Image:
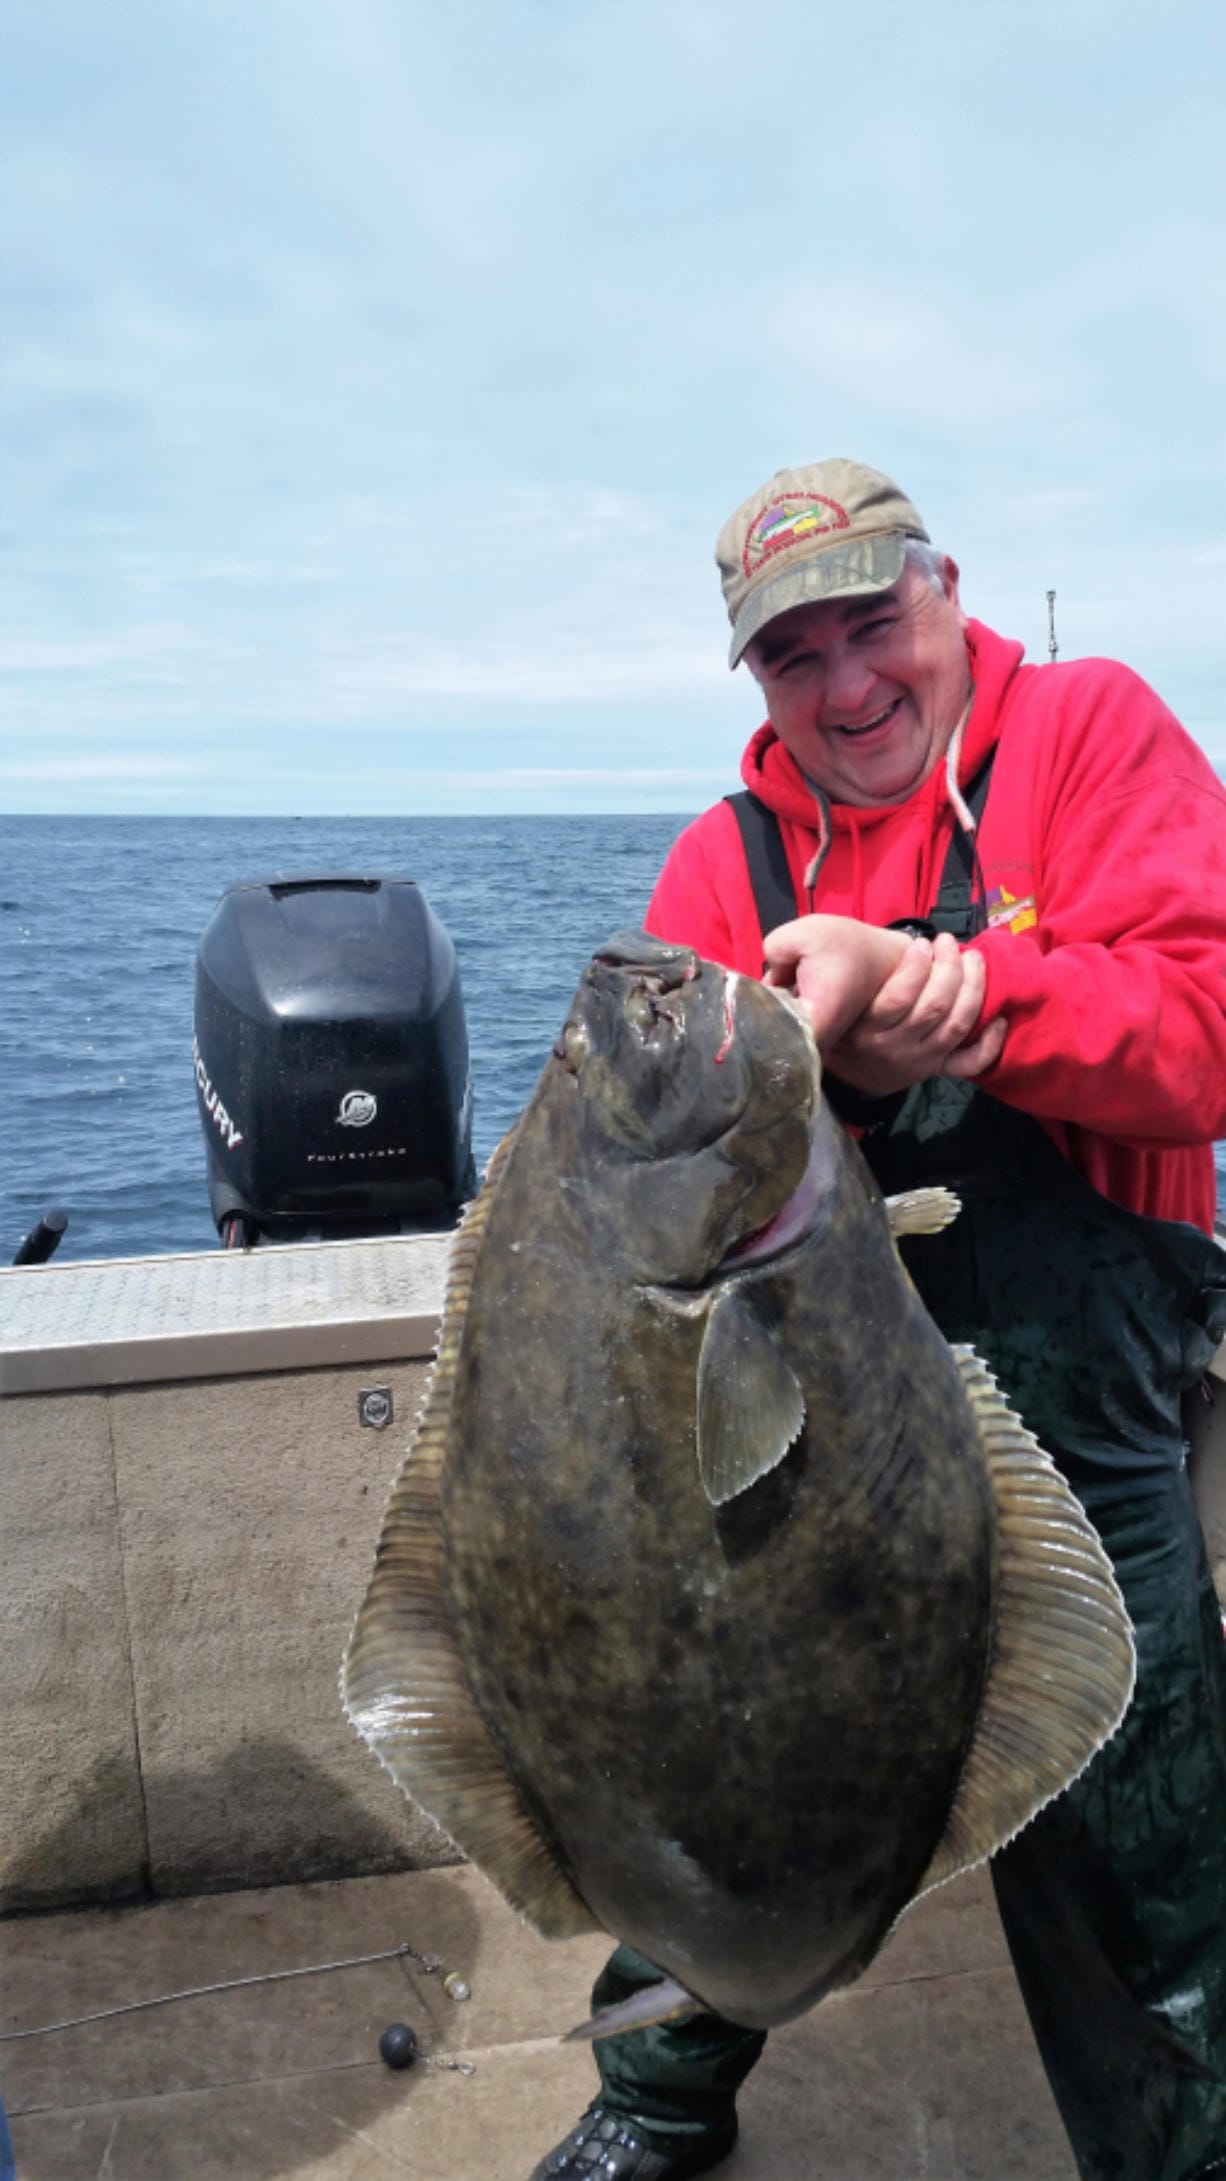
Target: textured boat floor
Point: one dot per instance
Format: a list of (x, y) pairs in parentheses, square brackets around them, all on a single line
[(925, 2071)]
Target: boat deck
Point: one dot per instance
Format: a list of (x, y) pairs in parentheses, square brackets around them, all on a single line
[(172, 1628), (924, 2071)]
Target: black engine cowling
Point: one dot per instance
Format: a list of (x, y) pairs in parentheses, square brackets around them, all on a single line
[(331, 1058)]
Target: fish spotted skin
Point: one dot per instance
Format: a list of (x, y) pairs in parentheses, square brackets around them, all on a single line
[(713, 1537)]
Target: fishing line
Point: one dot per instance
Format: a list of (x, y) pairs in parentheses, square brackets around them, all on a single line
[(453, 1985)]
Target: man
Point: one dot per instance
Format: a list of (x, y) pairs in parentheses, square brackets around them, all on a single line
[(1000, 892)]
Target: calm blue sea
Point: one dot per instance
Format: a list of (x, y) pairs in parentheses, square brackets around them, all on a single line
[(99, 923)]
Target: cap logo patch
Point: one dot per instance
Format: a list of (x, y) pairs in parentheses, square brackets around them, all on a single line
[(792, 520)]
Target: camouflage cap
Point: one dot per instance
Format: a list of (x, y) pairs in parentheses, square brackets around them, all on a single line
[(832, 529)]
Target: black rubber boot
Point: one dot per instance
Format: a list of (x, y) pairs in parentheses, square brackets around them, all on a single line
[(603, 2148)]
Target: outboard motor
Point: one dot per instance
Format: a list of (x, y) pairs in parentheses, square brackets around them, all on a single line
[(331, 1061)]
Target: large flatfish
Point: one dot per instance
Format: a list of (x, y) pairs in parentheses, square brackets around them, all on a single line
[(719, 1602)]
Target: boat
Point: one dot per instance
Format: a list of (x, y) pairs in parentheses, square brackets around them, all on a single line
[(197, 1450)]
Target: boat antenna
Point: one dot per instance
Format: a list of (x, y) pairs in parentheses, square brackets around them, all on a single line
[(1053, 648)]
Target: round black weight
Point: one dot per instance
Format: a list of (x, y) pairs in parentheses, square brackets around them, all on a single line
[(398, 2045)]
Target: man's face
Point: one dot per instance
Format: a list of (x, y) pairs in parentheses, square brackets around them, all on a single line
[(865, 692)]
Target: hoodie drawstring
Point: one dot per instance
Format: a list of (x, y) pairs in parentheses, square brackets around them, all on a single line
[(825, 835), (965, 817), (953, 758), (857, 868)]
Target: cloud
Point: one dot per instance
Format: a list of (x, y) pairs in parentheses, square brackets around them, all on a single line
[(392, 368), (519, 677), (128, 769), (677, 781), (161, 647), (950, 367)]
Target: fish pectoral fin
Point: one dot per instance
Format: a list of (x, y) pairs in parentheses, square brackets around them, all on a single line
[(1062, 1665), (667, 2001), (750, 1406), (922, 1211)]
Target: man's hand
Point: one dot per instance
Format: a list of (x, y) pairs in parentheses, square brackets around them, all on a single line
[(887, 1011), (835, 965), (920, 1023)]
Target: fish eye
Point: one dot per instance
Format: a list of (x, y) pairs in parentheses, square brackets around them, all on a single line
[(644, 1008), (572, 1047), (641, 1011)]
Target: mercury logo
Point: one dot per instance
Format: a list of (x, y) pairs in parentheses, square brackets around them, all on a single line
[(357, 1108), (212, 1104)]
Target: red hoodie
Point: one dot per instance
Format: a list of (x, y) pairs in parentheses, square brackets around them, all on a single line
[(1103, 847)]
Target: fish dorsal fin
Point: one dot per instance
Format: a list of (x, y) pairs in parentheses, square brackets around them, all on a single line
[(750, 1406), (403, 1682), (922, 1211), (1062, 1666)]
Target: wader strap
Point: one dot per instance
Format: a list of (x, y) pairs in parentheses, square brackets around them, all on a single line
[(960, 905), (775, 896), (766, 857)]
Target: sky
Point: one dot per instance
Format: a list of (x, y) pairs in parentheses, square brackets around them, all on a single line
[(375, 376)]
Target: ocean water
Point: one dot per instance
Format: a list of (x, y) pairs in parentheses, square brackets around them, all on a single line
[(99, 924)]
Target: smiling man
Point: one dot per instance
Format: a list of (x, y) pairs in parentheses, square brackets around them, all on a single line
[(1000, 892), (864, 692)]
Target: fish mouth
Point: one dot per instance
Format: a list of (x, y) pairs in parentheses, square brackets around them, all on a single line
[(665, 968)]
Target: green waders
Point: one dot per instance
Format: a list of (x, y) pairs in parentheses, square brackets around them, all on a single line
[(1113, 1899)]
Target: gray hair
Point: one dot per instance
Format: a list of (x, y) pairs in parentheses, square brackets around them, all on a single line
[(925, 557)]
